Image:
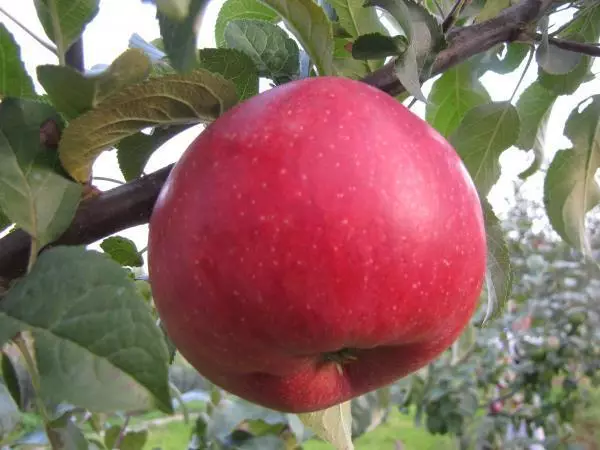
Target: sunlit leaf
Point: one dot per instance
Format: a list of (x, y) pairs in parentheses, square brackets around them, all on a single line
[(334, 425), (485, 132), (180, 36), (499, 276), (570, 187), (122, 250), (452, 95), (15, 81), (238, 10), (96, 343), (33, 193), (491, 9), (198, 96), (271, 50), (310, 25), (73, 93), (534, 107), (65, 20)]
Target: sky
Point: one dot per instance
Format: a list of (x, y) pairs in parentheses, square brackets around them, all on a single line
[(108, 35)]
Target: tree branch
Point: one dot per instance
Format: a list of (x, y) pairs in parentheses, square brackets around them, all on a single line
[(131, 204), (578, 47)]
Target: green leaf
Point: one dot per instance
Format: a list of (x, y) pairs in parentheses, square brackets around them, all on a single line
[(491, 9), (551, 59), (65, 20), (174, 9), (233, 65), (272, 52), (11, 379), (499, 276), (32, 193), (484, 133), (334, 425), (452, 95), (5, 222), (345, 64), (96, 343), (73, 93), (123, 251), (9, 413), (199, 96), (64, 434), (180, 36), (506, 58), (358, 20), (425, 38), (15, 82), (132, 440), (241, 9), (309, 23), (585, 25), (534, 107), (134, 152), (378, 46), (570, 188)]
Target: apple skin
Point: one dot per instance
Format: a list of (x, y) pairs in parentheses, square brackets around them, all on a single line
[(314, 243)]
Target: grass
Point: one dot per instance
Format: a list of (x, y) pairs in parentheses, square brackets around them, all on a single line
[(175, 436)]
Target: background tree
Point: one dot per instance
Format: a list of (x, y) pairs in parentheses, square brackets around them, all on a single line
[(57, 361)]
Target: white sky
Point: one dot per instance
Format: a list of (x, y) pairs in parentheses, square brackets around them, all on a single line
[(108, 36)]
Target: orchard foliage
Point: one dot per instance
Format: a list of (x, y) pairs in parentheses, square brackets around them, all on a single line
[(77, 327)]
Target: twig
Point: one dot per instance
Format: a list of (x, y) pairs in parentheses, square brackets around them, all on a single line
[(454, 14), (122, 432), (39, 40), (579, 47)]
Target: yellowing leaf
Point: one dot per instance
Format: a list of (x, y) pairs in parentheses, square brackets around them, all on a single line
[(200, 96), (333, 424)]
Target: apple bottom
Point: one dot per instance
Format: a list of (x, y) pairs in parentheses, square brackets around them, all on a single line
[(323, 383)]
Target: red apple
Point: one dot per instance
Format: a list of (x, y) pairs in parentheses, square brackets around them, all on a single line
[(314, 243)]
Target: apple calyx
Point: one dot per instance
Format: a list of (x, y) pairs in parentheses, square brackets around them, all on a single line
[(340, 357)]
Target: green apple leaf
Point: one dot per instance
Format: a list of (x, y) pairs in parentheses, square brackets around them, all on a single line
[(132, 440), (174, 9), (9, 412), (238, 10), (64, 433), (235, 65), (65, 20), (273, 53), (425, 39), (310, 25), (491, 9), (15, 81), (334, 425), (122, 250), (378, 46), (484, 133), (96, 343), (506, 58), (199, 96), (551, 59), (452, 95), (534, 107), (11, 379), (584, 26), (180, 36), (570, 187), (73, 93), (499, 276), (33, 193), (357, 21), (5, 222), (134, 152), (345, 64)]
